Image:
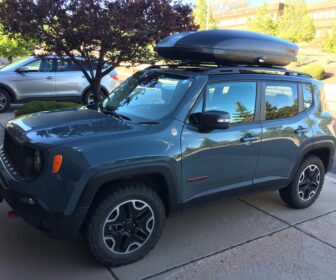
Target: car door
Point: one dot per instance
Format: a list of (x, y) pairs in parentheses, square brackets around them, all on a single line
[(285, 132), (221, 159), (70, 81), (37, 80)]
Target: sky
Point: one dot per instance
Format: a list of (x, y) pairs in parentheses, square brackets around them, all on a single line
[(254, 3)]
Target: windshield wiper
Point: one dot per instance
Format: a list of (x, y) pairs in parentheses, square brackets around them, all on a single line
[(114, 113)]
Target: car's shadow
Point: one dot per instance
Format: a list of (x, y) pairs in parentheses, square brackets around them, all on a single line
[(27, 253)]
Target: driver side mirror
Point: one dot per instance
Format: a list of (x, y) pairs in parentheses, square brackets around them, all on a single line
[(212, 120), (23, 69)]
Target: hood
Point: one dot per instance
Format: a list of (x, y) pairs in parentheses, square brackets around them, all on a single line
[(63, 126)]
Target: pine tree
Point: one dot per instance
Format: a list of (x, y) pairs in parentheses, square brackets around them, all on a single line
[(242, 114)]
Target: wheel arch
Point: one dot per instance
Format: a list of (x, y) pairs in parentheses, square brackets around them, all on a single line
[(10, 91), (161, 179), (324, 150)]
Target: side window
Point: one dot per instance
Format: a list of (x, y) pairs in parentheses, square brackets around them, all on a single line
[(40, 65), (34, 66), (281, 100), (307, 92), (65, 65), (236, 98)]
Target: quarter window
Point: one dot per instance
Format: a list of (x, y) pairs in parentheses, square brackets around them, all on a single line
[(281, 100), (307, 92)]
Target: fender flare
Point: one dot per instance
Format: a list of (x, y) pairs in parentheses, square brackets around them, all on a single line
[(311, 148), (95, 183)]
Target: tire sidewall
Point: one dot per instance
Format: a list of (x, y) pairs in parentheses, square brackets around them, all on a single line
[(88, 92), (5, 93), (102, 213), (295, 188)]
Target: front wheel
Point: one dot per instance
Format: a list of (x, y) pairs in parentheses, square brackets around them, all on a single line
[(306, 185), (125, 225), (5, 101)]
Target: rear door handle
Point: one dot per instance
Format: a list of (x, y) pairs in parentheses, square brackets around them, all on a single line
[(301, 130), (249, 139), (50, 78)]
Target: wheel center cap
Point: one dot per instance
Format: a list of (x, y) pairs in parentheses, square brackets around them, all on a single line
[(129, 226)]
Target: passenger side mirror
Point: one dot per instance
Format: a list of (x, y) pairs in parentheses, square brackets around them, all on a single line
[(23, 69), (215, 120)]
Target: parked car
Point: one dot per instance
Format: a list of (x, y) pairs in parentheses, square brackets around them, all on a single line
[(50, 78), (167, 138)]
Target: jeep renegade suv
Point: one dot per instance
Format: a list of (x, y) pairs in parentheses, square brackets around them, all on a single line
[(167, 138)]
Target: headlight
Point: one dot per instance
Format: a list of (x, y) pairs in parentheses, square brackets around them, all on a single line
[(37, 161)]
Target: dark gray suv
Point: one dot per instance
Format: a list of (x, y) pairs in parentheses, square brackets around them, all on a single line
[(167, 138)]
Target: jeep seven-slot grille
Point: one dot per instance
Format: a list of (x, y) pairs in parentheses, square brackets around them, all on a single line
[(14, 155)]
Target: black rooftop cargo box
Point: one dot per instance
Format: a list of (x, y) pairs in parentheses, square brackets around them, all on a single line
[(227, 47)]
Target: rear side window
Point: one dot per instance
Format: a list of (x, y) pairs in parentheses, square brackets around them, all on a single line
[(281, 100), (307, 92), (65, 65)]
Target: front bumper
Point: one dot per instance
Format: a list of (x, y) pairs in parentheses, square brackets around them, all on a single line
[(55, 225)]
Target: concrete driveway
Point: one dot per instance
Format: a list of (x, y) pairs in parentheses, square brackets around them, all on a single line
[(255, 237)]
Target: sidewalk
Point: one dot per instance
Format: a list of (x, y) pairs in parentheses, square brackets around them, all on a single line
[(256, 237)]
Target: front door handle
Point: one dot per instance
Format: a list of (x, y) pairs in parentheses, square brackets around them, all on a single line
[(301, 130), (249, 138), (50, 78)]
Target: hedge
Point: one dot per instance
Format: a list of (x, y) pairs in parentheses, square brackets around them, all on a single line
[(39, 106), (315, 70)]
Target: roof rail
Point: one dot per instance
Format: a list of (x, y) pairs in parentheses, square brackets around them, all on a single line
[(209, 68), (257, 69)]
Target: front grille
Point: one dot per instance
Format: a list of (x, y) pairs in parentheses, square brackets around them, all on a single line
[(16, 156)]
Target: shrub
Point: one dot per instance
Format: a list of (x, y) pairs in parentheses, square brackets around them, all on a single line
[(39, 106), (316, 70)]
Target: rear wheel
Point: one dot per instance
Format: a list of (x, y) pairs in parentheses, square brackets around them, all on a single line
[(125, 225), (5, 100), (306, 185), (88, 97)]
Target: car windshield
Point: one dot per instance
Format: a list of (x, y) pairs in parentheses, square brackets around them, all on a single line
[(148, 95), (13, 65)]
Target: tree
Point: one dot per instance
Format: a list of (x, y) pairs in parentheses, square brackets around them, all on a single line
[(263, 22), (14, 46), (98, 30), (295, 24), (330, 42), (242, 114), (200, 15)]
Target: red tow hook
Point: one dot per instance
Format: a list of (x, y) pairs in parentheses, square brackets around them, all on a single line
[(12, 215)]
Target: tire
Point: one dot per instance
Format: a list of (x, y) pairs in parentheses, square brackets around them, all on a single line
[(5, 100), (119, 244), (306, 185), (87, 98)]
